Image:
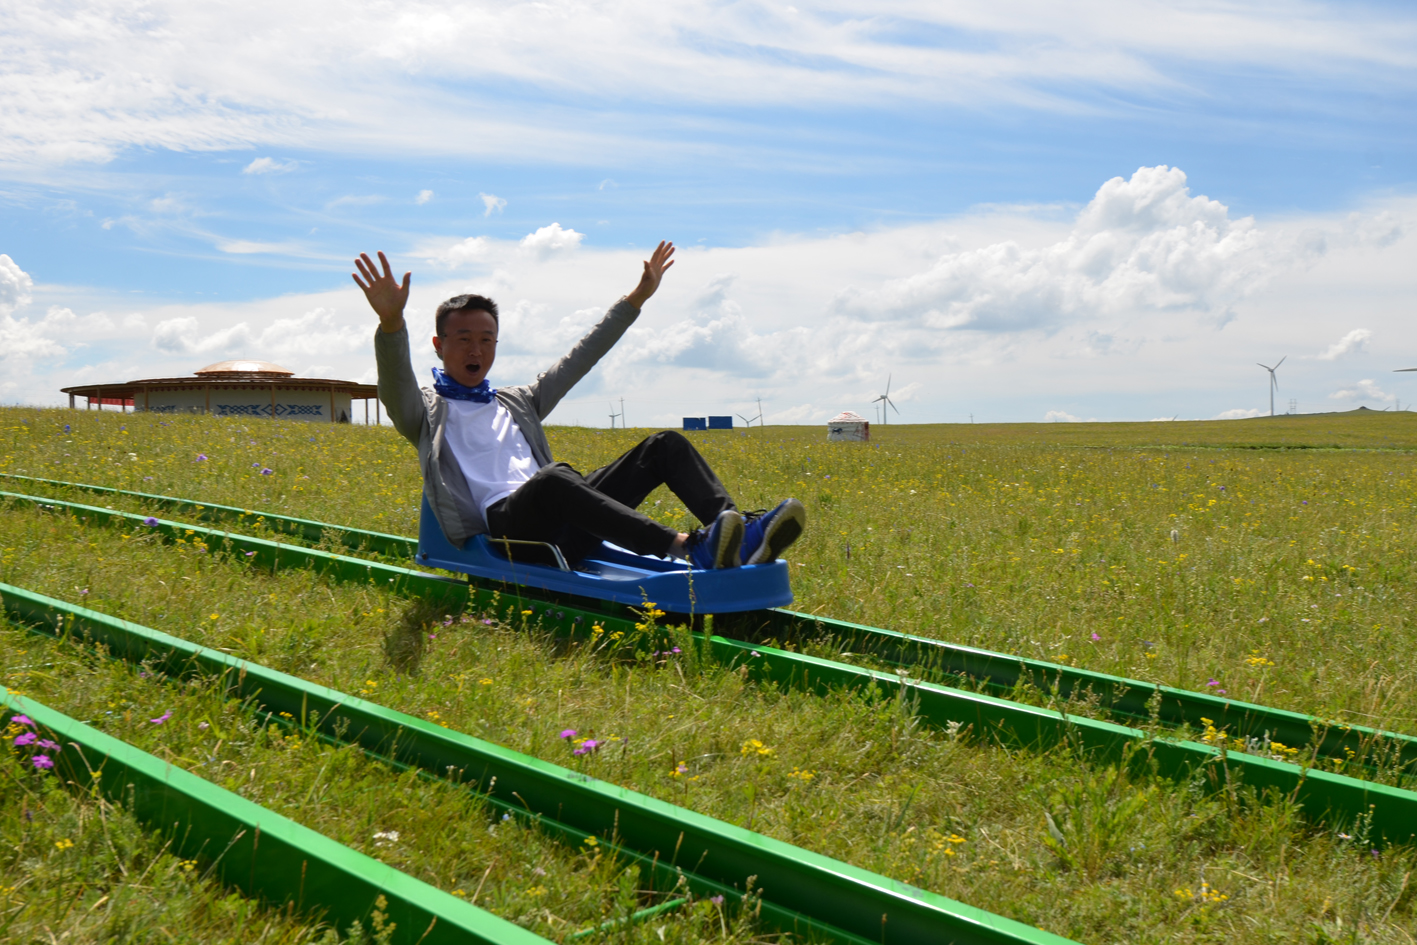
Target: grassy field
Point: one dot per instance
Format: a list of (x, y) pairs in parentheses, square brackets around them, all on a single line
[(1263, 558)]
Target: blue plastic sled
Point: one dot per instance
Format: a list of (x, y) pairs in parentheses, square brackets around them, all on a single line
[(611, 574)]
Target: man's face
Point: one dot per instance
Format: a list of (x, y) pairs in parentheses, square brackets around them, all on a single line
[(468, 345)]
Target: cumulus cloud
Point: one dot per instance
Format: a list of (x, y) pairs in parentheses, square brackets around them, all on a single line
[(1363, 390), (1355, 340), (1143, 244), (1238, 413), (493, 204), (15, 285), (267, 165), (423, 197), (551, 239), (1062, 416), (456, 254), (315, 333)]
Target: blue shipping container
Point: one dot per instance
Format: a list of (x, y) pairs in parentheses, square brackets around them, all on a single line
[(695, 423)]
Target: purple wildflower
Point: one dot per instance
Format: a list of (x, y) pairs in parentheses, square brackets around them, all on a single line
[(66, 428), (27, 738), (716, 900), (201, 457), (676, 650), (586, 747), (21, 720), (46, 743), (150, 522), (250, 554), (255, 465), (487, 621), (266, 472), (967, 584), (568, 733), (161, 718), (1213, 682), (43, 761), (1095, 637), (754, 653)]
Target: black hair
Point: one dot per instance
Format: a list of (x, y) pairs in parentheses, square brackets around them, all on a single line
[(466, 303)]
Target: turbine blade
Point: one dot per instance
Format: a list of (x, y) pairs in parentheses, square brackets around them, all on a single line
[(893, 406), (1281, 361)]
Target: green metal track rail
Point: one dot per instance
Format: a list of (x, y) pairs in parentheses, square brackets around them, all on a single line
[(1121, 698), (799, 891), (1124, 700), (257, 850), (1326, 797)]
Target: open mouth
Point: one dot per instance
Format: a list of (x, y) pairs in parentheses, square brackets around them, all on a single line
[(472, 368)]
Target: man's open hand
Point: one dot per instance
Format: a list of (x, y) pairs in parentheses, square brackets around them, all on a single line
[(655, 268), (386, 297)]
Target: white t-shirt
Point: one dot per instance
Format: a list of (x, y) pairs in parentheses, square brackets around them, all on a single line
[(487, 443)]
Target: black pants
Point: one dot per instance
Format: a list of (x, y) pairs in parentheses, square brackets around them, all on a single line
[(575, 512)]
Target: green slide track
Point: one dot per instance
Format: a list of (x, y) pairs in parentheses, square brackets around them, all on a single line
[(799, 891), (1326, 797), (257, 850), (1122, 699)]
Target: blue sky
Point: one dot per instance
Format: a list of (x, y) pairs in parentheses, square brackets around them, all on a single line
[(844, 175)]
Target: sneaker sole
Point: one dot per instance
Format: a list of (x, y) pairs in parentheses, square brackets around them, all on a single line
[(779, 534), (730, 538)]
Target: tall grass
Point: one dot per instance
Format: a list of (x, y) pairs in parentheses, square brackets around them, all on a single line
[(1045, 838)]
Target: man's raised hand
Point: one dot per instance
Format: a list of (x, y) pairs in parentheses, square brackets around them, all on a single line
[(655, 268), (386, 297)]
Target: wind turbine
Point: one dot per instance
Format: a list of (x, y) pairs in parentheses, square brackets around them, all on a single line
[(759, 417), (613, 414), (1273, 381), (885, 400)]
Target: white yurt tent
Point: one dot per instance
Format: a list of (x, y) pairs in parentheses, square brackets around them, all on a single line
[(849, 426)]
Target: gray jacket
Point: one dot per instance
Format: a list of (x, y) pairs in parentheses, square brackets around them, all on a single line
[(421, 415)]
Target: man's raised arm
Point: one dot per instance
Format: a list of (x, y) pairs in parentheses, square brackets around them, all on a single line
[(398, 388), (563, 375)]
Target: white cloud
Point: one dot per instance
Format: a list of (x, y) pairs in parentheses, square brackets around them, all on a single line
[(493, 204), (1363, 390), (315, 333), (733, 323), (456, 254), (267, 165), (551, 239), (249, 247), (106, 77), (423, 197), (1355, 340), (15, 285), (1238, 413), (354, 200), (1140, 244), (1062, 416)]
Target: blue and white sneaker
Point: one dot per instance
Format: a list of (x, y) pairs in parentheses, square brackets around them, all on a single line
[(716, 546), (768, 534)]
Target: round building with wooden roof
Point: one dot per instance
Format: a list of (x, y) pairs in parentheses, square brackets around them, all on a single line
[(244, 388)]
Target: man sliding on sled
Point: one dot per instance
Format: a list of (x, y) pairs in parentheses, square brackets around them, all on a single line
[(487, 466)]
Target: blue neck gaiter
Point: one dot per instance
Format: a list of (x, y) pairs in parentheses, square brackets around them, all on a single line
[(453, 390)]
